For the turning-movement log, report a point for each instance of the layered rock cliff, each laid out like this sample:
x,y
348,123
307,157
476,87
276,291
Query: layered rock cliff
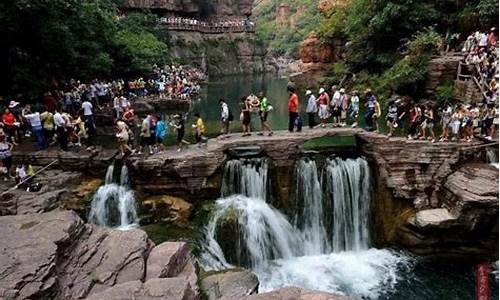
x,y
218,8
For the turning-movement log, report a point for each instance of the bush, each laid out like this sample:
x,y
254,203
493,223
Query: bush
x,y
444,92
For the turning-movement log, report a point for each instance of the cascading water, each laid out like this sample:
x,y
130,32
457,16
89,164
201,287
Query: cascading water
x,y
491,157
309,210
113,205
324,247
247,177
349,187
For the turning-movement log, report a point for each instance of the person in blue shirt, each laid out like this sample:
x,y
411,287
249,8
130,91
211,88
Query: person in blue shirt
x,y
160,133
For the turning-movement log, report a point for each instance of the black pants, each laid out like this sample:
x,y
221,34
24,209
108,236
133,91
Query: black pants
x,y
291,121
311,118
62,138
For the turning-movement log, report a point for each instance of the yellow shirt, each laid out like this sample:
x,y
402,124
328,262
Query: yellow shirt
x,y
200,126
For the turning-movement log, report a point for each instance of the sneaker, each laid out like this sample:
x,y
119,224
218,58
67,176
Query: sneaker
x,y
270,133
354,125
488,138
260,133
179,149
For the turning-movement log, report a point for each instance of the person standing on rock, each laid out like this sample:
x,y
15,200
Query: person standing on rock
x,y
160,133
62,133
293,108
264,108
245,116
225,116
5,155
311,109
324,103
199,128
354,109
179,126
146,135
36,127
371,107
335,104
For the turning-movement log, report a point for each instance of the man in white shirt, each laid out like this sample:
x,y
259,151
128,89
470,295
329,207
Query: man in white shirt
x,y
89,116
62,135
224,117
36,127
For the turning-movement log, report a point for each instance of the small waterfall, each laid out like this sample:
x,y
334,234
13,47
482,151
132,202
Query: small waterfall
x,y
246,177
309,211
323,246
266,232
491,157
349,187
113,204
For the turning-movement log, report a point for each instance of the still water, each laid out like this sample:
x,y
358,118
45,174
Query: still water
x,y
232,89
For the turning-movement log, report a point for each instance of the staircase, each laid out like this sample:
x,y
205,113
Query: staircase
x,y
469,87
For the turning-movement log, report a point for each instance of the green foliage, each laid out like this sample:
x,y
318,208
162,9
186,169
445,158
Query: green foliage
x,y
285,40
444,92
45,40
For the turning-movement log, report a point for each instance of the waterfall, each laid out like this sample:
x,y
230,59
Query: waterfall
x,y
349,187
267,234
324,245
246,177
491,157
309,210
113,204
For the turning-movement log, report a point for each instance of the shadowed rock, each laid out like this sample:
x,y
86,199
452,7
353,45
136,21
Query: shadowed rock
x,y
56,255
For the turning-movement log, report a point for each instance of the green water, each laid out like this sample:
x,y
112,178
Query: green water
x,y
232,89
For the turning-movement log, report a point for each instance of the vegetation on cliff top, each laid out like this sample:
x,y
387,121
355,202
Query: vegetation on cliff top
x,y
389,42
57,39
284,38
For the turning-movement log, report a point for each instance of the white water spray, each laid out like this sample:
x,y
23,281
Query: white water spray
x,y
324,247
113,205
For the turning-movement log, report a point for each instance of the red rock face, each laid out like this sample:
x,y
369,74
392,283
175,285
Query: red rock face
x,y
312,50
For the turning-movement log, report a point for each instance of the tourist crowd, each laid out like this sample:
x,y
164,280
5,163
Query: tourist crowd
x,y
480,52
228,23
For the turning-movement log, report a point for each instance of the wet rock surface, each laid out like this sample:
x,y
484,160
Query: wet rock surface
x,y
230,284
295,293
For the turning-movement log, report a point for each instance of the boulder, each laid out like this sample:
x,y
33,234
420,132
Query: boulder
x,y
56,255
432,218
54,187
168,209
230,284
295,293
79,197
167,260
157,288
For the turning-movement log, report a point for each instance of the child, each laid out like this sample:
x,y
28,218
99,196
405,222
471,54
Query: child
x,y
199,129
179,126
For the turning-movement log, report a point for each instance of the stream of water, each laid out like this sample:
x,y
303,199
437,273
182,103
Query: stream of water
x,y
113,205
306,252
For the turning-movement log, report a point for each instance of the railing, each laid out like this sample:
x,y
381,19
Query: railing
x,y
478,82
208,29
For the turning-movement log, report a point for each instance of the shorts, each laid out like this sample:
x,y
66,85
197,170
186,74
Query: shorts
x,y
391,119
246,118
145,140
263,116
337,112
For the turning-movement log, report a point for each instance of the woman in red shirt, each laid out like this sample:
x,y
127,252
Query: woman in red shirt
x,y
8,120
293,107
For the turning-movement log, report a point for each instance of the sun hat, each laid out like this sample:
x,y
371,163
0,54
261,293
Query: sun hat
x,y
308,92
13,104
321,90
342,90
